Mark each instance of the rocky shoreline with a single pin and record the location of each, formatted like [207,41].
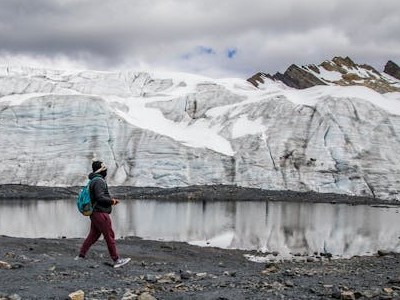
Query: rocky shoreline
[191,193]
[46,269]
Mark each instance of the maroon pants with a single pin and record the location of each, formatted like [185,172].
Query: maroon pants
[100,225]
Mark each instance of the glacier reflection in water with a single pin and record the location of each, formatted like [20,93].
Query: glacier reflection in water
[286,227]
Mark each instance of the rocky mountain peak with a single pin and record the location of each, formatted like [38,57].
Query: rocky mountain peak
[347,62]
[259,78]
[338,71]
[392,69]
[297,77]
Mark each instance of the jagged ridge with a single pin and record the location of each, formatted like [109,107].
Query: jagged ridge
[338,71]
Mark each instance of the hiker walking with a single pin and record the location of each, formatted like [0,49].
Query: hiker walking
[100,218]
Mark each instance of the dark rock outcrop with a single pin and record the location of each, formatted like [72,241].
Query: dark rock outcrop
[258,78]
[298,78]
[392,69]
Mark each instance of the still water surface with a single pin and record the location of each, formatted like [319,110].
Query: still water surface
[342,230]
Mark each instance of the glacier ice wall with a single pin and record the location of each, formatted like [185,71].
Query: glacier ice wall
[175,130]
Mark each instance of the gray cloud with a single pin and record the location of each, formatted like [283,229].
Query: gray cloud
[266,35]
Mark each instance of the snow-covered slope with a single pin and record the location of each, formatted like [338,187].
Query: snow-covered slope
[170,129]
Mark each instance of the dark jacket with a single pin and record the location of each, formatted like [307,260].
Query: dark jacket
[99,194]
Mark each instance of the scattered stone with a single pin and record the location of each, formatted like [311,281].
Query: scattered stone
[348,295]
[168,247]
[384,252]
[358,295]
[10,297]
[201,275]
[129,296]
[52,268]
[77,295]
[146,296]
[150,278]
[5,265]
[388,290]
[394,280]
[310,259]
[94,266]
[269,268]
[336,293]
[164,281]
[326,254]
[289,283]
[230,273]
[289,273]
[174,277]
[23,257]
[223,284]
[169,278]
[186,274]
[17,266]
[273,286]
[9,255]
[371,294]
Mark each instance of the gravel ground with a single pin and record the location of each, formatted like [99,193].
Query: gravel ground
[46,269]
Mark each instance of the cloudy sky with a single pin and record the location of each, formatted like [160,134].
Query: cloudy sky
[216,38]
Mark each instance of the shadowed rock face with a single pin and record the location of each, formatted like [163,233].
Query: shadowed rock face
[392,69]
[339,71]
[258,78]
[298,78]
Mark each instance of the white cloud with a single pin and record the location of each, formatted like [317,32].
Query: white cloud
[61,62]
[268,36]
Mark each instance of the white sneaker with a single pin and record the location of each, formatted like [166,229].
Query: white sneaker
[121,261]
[79,258]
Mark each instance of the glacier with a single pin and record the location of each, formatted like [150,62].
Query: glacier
[174,129]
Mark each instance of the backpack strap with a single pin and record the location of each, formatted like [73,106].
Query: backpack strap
[90,188]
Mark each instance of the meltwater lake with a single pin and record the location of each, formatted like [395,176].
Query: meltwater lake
[287,227]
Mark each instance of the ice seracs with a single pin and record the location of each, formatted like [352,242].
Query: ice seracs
[171,129]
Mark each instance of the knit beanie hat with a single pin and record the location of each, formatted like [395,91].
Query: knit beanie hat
[98,166]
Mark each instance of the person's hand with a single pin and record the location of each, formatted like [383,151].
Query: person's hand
[114,201]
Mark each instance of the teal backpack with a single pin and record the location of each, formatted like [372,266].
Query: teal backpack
[83,201]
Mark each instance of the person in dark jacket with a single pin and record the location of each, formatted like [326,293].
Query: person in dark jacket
[100,218]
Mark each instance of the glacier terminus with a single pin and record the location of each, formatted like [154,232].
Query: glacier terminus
[174,129]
